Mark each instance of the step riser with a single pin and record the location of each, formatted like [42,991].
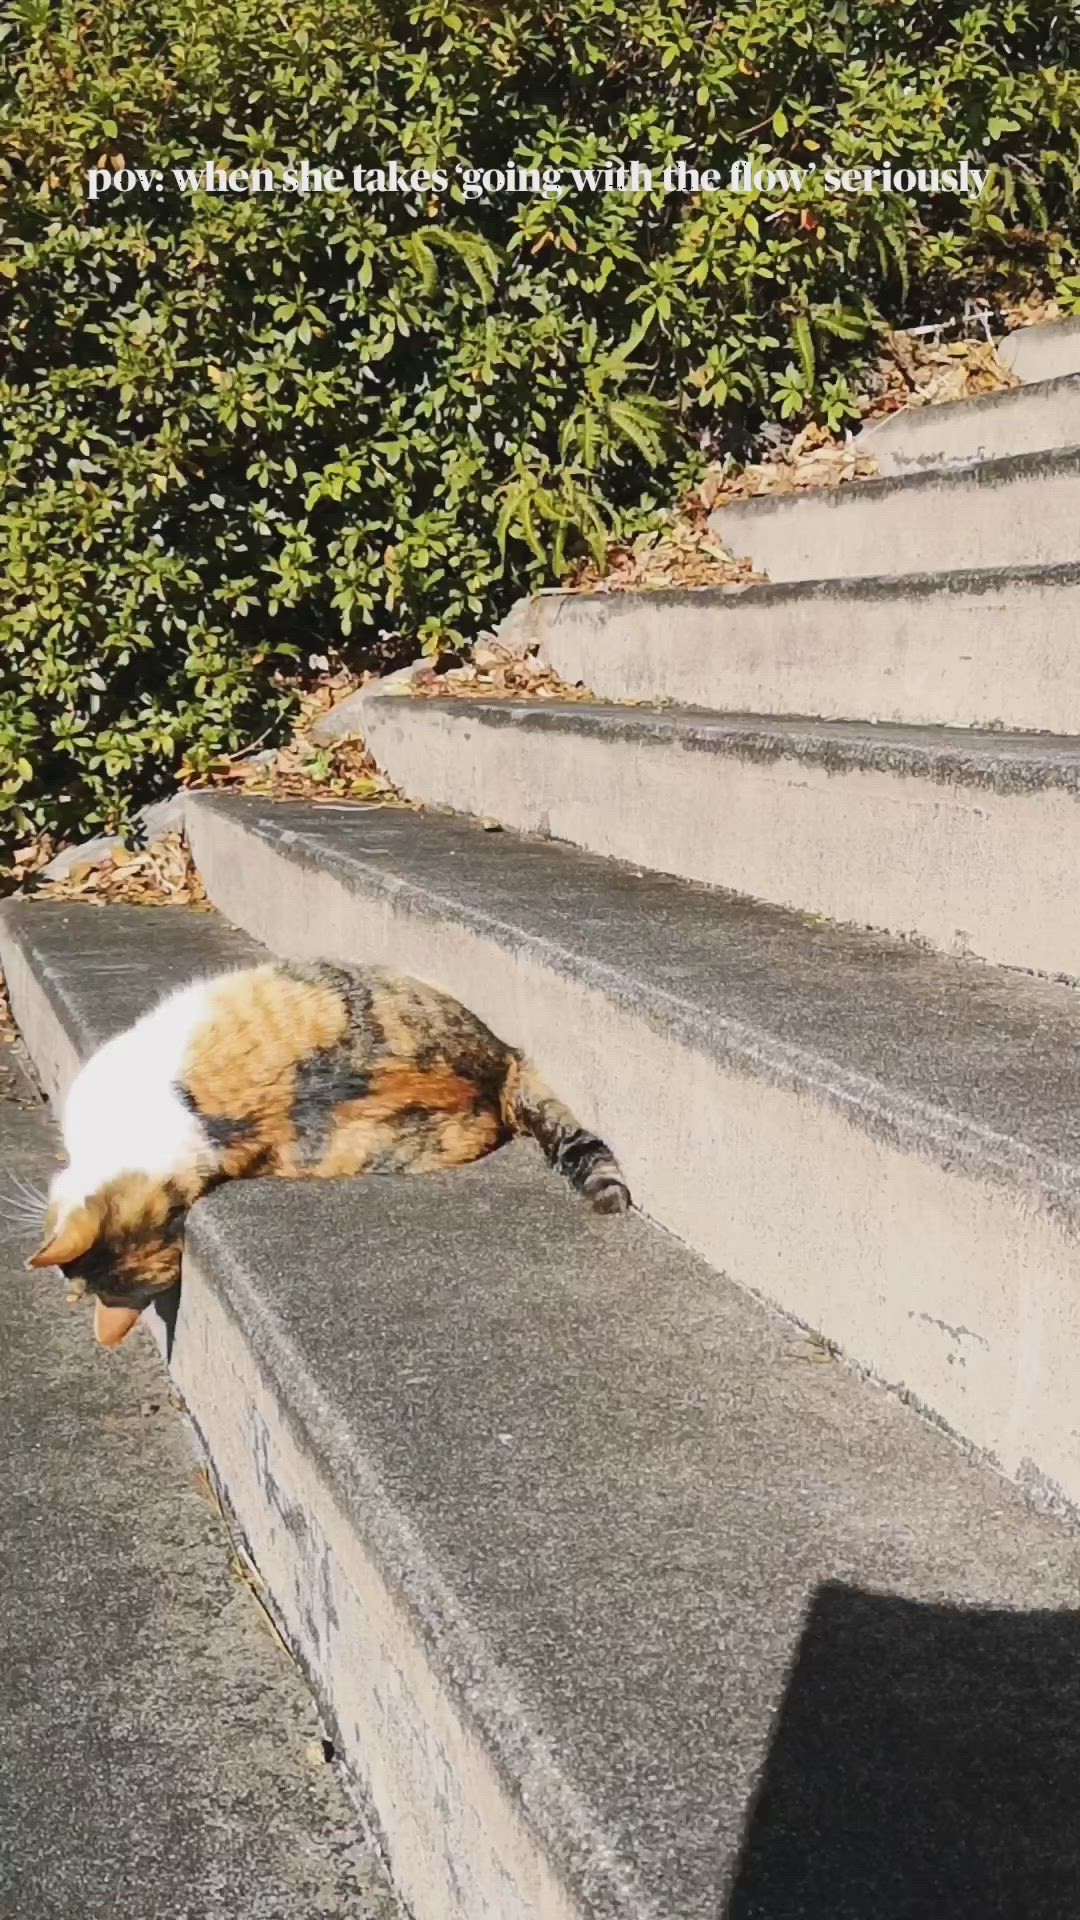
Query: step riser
[943,1281]
[1034,419]
[451,1830]
[965,868]
[1025,514]
[1003,656]
[1046,352]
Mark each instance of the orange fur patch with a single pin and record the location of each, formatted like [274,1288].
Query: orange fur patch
[134,1204]
[398,1085]
[368,1129]
[261,1024]
[72,1239]
[465,1137]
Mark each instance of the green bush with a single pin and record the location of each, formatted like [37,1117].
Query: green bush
[240,430]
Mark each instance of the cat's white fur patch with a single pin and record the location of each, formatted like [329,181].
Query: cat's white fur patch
[123,1114]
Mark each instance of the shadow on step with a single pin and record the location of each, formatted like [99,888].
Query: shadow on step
[167,1306]
[925,1763]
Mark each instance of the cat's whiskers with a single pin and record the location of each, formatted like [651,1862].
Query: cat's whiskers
[24,1222]
[21,1205]
[32,1194]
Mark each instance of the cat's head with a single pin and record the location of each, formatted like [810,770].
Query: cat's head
[122,1243]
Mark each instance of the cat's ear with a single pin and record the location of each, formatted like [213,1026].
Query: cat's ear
[72,1236]
[112,1324]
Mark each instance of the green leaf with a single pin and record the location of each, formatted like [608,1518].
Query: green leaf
[804,341]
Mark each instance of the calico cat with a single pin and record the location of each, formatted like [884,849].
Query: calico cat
[306,1072]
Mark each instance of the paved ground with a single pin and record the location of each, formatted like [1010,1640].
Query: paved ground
[156,1755]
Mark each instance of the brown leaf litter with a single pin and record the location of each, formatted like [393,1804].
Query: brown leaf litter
[159,875]
[343,770]
[684,554]
[1031,309]
[815,458]
[924,371]
[913,369]
[496,673]
[163,874]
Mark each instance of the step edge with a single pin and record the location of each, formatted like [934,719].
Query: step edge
[765,738]
[969,406]
[570,1842]
[971,474]
[953,1142]
[953,583]
[479,1687]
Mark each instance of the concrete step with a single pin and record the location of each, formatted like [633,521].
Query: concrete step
[616,1586]
[947,649]
[156,1761]
[884,1142]
[969,841]
[1018,512]
[1043,352]
[1028,419]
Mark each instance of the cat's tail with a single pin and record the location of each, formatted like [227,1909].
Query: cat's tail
[528,1106]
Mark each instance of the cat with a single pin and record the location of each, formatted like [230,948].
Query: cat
[304,1072]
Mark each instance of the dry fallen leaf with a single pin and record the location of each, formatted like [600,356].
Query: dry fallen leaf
[495,673]
[342,771]
[7,1023]
[918,370]
[160,875]
[815,458]
[163,873]
[912,370]
[1032,309]
[684,554]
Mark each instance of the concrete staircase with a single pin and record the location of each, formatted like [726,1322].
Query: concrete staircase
[957,649]
[970,841]
[612,1585]
[1016,512]
[625,1593]
[1034,419]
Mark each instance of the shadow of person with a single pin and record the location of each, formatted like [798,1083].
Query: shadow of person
[925,1763]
